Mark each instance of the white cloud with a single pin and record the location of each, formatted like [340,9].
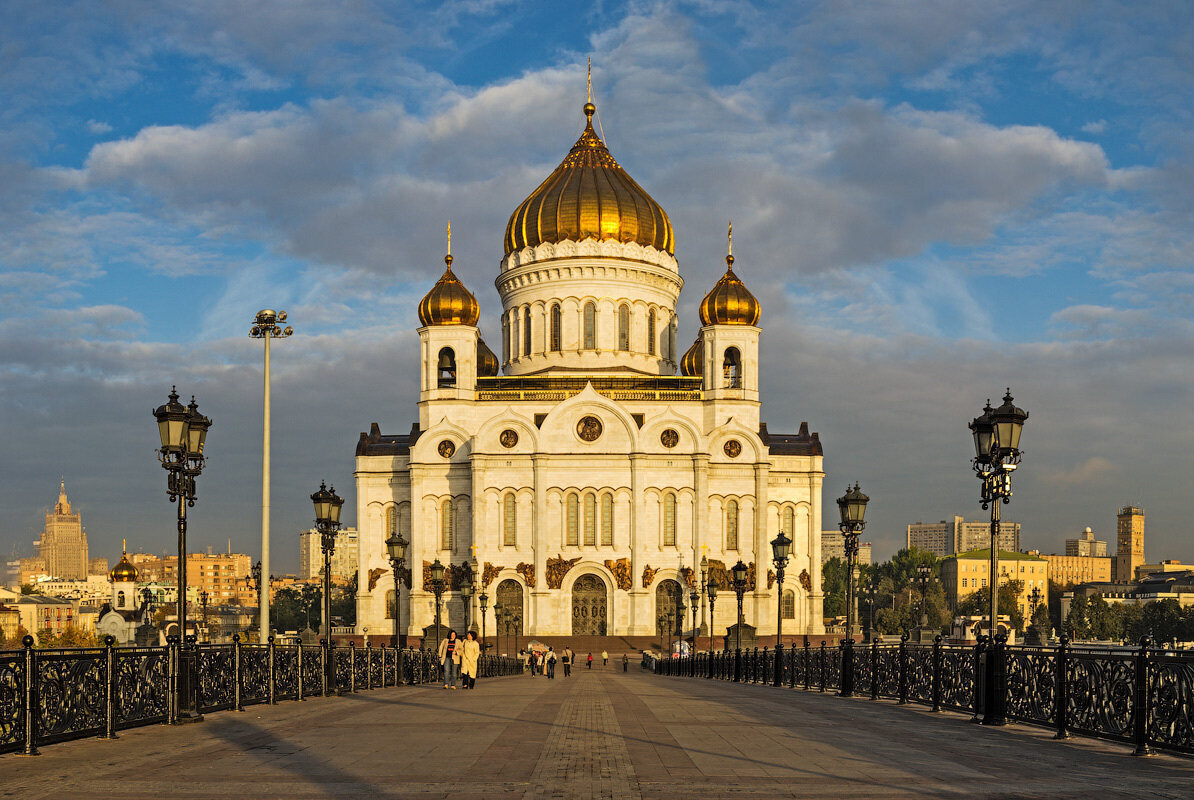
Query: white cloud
[1095,128]
[97,127]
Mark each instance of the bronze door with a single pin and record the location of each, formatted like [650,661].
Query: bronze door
[588,606]
[509,597]
[668,596]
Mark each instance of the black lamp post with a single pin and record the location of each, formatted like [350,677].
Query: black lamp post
[396,550]
[924,576]
[997,454]
[852,506]
[868,595]
[499,616]
[466,590]
[204,597]
[694,599]
[704,579]
[739,573]
[183,432]
[711,592]
[327,521]
[484,599]
[1034,599]
[781,546]
[437,586]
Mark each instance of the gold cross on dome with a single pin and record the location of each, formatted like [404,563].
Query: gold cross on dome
[589,95]
[730,239]
[449,237]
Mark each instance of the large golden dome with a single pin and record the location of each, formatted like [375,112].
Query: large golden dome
[692,365]
[729,302]
[589,196]
[487,362]
[124,571]
[449,302]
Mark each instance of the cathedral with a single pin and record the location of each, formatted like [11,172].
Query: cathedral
[587,483]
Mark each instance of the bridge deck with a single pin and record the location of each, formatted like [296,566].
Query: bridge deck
[599,734]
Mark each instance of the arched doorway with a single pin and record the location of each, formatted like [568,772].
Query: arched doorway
[508,610]
[668,595]
[588,606]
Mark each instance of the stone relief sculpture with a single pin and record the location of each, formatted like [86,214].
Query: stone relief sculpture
[719,574]
[557,568]
[770,578]
[806,581]
[488,573]
[648,576]
[375,575]
[527,571]
[621,571]
[689,577]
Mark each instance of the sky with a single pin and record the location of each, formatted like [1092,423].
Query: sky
[934,199]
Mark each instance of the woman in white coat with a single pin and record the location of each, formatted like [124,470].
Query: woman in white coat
[470,655]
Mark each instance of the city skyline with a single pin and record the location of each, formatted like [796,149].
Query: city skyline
[931,207]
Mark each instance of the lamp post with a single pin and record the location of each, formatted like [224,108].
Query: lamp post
[484,599]
[183,432]
[924,576]
[396,550]
[852,506]
[499,612]
[327,522]
[739,572]
[1034,599]
[466,590]
[203,598]
[437,586]
[694,600]
[711,590]
[266,327]
[781,546]
[868,595]
[704,578]
[997,454]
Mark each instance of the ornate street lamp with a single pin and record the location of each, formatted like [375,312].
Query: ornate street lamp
[204,597]
[1034,598]
[396,550]
[183,433]
[484,600]
[924,576]
[997,454]
[266,327]
[704,578]
[852,507]
[781,546]
[694,600]
[437,586]
[711,591]
[499,612]
[466,590]
[739,572]
[327,522]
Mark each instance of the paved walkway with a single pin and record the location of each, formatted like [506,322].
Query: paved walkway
[599,734]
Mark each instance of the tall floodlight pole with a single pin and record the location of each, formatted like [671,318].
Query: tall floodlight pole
[266,326]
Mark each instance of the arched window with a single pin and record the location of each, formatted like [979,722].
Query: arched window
[515,342]
[526,331]
[590,520]
[732,525]
[447,525]
[509,522]
[390,604]
[555,328]
[651,332]
[788,524]
[590,340]
[669,520]
[788,606]
[391,520]
[446,369]
[573,521]
[120,599]
[731,369]
[624,328]
[607,520]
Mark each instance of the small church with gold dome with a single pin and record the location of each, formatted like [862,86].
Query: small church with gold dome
[593,471]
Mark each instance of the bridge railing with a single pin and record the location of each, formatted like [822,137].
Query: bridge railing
[49,696]
[1140,695]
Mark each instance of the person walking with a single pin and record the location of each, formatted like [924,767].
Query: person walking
[449,658]
[550,659]
[590,661]
[470,656]
[604,658]
[625,663]
[531,662]
[566,657]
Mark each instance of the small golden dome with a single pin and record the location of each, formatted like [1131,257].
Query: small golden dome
[692,365]
[124,571]
[449,302]
[589,195]
[487,362]
[729,302]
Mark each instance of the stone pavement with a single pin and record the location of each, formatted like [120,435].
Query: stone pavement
[599,734]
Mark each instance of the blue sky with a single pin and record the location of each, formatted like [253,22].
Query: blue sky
[936,200]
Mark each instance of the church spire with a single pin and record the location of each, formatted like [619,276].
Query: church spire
[63,505]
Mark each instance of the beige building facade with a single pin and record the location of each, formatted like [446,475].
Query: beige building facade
[1068,570]
[947,537]
[586,482]
[965,573]
[64,542]
[1129,543]
[345,558]
[834,546]
[1086,545]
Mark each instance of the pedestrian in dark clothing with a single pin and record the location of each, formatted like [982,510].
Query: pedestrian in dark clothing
[566,657]
[625,663]
[590,662]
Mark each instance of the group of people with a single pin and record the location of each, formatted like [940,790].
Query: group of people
[544,662]
[459,657]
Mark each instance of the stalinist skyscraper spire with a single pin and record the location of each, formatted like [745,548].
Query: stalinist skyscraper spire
[63,541]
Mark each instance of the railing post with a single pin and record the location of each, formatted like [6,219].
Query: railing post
[1061,694]
[172,665]
[808,664]
[822,665]
[980,678]
[236,698]
[273,675]
[1141,701]
[368,666]
[323,666]
[109,688]
[299,661]
[737,664]
[996,698]
[903,668]
[846,679]
[31,703]
[383,664]
[936,674]
[874,668]
[352,667]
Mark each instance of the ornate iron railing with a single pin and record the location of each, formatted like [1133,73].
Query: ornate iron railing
[81,692]
[1142,696]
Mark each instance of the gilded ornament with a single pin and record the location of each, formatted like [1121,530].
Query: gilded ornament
[446,448]
[806,581]
[770,578]
[527,571]
[621,571]
[557,568]
[648,576]
[692,364]
[375,575]
[508,438]
[733,448]
[719,574]
[669,438]
[488,573]
[449,302]
[589,428]
[729,302]
[689,577]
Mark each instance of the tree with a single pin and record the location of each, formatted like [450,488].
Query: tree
[30,588]
[1042,620]
[978,603]
[1076,622]
[833,586]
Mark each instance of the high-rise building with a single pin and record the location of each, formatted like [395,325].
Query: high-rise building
[221,575]
[1071,569]
[834,546]
[344,558]
[1086,545]
[945,538]
[64,542]
[97,566]
[1129,543]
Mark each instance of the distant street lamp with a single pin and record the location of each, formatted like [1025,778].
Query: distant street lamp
[924,576]
[498,616]
[694,600]
[484,600]
[869,593]
[781,546]
[183,433]
[852,506]
[266,327]
[739,572]
[704,578]
[327,522]
[396,550]
[466,590]
[711,591]
[437,586]
[203,599]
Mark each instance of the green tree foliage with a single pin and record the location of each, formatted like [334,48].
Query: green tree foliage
[29,588]
[1042,620]
[977,603]
[344,603]
[70,636]
[294,607]
[833,586]
[897,606]
[1094,619]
